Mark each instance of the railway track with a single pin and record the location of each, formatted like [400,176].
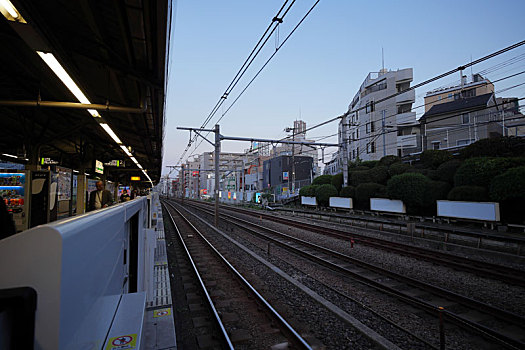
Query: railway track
[505,328]
[225,309]
[484,269]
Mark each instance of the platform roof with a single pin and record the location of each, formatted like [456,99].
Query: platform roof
[116,53]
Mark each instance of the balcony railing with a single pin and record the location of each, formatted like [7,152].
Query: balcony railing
[407,141]
[405,119]
[406,97]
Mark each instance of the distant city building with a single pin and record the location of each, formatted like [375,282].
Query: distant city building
[278,170]
[375,127]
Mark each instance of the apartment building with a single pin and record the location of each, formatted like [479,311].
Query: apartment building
[375,126]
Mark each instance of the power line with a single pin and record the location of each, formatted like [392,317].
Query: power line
[249,60]
[266,63]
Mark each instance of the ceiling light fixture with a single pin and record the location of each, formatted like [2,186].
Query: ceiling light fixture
[9,155]
[125,149]
[10,12]
[111,133]
[61,73]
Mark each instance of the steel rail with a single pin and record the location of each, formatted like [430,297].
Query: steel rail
[296,337]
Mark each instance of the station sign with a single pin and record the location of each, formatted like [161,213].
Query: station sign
[47,161]
[99,167]
[116,162]
[135,178]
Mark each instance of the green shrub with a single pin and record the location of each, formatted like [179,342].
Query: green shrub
[359,177]
[411,188]
[389,160]
[398,168]
[438,190]
[468,194]
[337,181]
[510,184]
[308,191]
[379,174]
[365,191]
[357,168]
[369,163]
[322,180]
[509,146]
[324,192]
[446,171]
[480,171]
[433,158]
[413,170]
[348,192]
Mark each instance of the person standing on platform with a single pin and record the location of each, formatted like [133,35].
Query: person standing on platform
[100,198]
[124,197]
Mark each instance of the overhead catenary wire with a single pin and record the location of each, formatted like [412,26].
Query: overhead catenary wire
[265,64]
[276,20]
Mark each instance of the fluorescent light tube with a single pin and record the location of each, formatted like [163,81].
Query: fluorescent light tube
[60,72]
[111,133]
[9,155]
[125,149]
[6,4]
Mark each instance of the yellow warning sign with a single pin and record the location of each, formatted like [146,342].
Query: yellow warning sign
[162,312]
[123,342]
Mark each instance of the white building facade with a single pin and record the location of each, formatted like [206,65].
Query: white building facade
[375,127]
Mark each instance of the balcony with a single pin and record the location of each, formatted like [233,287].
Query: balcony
[406,97]
[404,75]
[406,119]
[407,141]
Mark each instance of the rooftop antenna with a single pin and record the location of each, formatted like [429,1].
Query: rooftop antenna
[471,73]
[383,58]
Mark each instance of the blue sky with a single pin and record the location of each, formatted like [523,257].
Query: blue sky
[318,71]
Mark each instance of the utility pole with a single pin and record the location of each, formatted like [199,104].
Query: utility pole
[384,134]
[216,190]
[183,185]
[344,149]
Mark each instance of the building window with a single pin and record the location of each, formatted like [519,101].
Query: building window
[450,96]
[353,154]
[357,152]
[465,118]
[353,136]
[370,127]
[464,142]
[435,144]
[369,107]
[404,108]
[371,147]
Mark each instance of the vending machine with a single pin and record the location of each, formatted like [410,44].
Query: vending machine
[14,191]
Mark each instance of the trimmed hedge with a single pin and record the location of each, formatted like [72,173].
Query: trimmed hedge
[379,174]
[411,188]
[357,168]
[508,146]
[398,168]
[433,158]
[510,184]
[308,191]
[359,177]
[337,181]
[323,194]
[389,160]
[369,163]
[322,180]
[446,171]
[468,194]
[365,191]
[480,171]
[438,190]
[347,192]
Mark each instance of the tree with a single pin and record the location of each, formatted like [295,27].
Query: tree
[324,192]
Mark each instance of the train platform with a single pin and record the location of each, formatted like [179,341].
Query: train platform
[159,326]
